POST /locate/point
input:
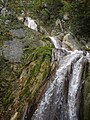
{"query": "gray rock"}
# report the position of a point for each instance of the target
(12, 50)
(19, 33)
(71, 41)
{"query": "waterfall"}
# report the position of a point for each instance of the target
(55, 42)
(61, 99)
(59, 103)
(30, 23)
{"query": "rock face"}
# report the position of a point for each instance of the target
(71, 41)
(19, 33)
(12, 50)
(87, 93)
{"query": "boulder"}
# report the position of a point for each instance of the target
(71, 41)
(19, 33)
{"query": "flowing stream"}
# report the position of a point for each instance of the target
(61, 99)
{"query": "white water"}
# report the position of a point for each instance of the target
(55, 42)
(69, 64)
(53, 97)
(30, 23)
(74, 89)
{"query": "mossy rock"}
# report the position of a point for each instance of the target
(25, 87)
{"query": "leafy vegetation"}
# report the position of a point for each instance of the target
(79, 17)
(47, 10)
(23, 89)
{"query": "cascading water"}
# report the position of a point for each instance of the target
(74, 91)
(55, 104)
(30, 23)
(55, 42)
(61, 99)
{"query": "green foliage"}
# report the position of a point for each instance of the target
(42, 52)
(33, 53)
(47, 8)
(85, 48)
(35, 70)
(7, 99)
(65, 9)
(79, 17)
(38, 5)
(40, 55)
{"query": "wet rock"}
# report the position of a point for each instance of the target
(59, 24)
(60, 36)
(71, 41)
(87, 94)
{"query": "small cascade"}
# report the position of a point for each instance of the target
(57, 103)
(30, 23)
(55, 42)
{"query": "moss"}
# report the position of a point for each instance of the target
(87, 108)
(7, 77)
(5, 33)
(42, 52)
(32, 72)
(46, 38)
(38, 71)
(47, 69)
(35, 70)
(85, 72)
(86, 89)
(33, 53)
(7, 99)
(85, 48)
